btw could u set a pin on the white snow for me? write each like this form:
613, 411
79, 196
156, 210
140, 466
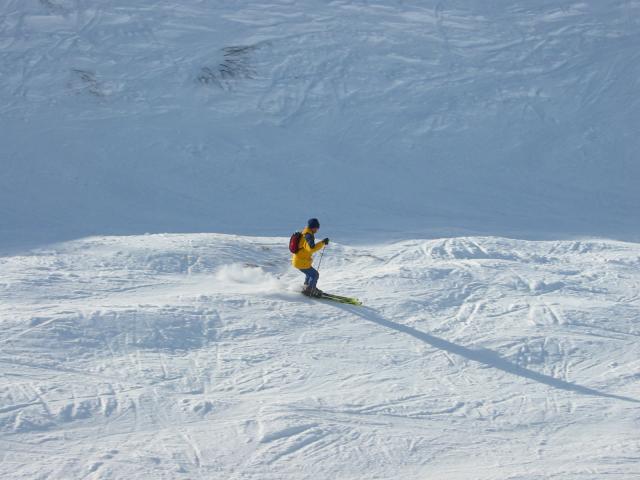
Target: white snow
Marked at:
402, 118
191, 356
474, 163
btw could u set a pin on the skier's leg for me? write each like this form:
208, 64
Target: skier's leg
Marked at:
308, 280
311, 280
307, 276
314, 276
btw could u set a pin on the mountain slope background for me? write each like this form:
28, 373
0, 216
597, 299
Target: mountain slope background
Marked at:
398, 118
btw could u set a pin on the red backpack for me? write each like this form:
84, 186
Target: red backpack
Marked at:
294, 242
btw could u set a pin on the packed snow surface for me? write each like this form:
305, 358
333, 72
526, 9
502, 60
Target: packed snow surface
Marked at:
474, 163
195, 356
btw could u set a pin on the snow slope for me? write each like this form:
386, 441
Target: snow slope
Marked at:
434, 118
192, 356
422, 134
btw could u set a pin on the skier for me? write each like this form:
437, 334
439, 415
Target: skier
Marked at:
302, 260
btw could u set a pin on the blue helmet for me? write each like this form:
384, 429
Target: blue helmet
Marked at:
313, 223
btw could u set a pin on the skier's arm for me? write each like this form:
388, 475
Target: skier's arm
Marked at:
311, 244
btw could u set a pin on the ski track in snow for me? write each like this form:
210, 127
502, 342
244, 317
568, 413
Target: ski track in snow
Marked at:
193, 356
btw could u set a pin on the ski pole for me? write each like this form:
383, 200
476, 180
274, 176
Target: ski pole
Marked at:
319, 263
321, 255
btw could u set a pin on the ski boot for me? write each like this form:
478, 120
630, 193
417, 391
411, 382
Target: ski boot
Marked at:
312, 292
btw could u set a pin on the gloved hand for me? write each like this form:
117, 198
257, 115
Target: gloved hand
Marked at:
326, 241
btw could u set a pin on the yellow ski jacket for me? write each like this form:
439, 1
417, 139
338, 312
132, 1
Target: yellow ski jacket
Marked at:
307, 247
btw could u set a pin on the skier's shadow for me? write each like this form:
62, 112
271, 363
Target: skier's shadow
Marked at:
484, 356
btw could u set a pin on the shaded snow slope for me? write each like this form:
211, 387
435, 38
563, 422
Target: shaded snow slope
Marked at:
516, 118
192, 356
